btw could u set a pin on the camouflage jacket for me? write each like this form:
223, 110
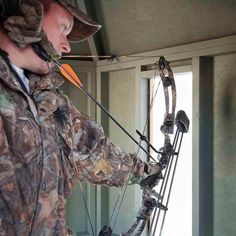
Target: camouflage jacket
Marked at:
45, 142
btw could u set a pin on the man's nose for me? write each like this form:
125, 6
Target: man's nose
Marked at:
65, 46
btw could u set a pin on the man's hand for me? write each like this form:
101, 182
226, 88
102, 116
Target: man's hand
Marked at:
152, 168
152, 176
143, 170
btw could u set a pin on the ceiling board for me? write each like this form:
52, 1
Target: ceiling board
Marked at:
133, 26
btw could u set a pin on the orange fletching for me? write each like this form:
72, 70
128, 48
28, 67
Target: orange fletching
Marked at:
70, 75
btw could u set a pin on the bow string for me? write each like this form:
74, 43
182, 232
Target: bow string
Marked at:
154, 203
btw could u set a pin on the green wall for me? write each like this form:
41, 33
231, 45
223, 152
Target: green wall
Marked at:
225, 145
122, 104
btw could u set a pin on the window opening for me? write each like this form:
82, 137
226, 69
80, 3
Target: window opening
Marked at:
178, 220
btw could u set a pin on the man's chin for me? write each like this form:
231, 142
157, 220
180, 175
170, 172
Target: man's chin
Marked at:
45, 69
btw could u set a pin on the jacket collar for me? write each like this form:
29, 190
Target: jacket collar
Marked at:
42, 89
36, 82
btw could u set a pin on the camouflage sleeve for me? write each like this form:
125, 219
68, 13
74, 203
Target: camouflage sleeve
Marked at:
6, 167
98, 160
6, 173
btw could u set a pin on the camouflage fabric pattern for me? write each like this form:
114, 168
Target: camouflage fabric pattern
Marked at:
45, 144
27, 27
84, 27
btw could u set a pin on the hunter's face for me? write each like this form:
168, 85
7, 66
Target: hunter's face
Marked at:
57, 25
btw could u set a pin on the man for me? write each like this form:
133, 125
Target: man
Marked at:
45, 142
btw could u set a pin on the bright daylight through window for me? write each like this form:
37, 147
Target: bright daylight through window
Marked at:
178, 220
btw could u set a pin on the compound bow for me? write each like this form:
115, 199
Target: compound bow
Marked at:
153, 202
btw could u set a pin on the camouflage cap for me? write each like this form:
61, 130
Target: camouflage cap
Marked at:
84, 27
